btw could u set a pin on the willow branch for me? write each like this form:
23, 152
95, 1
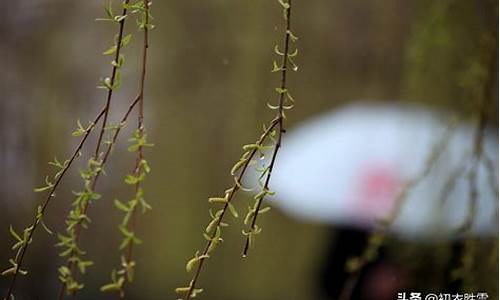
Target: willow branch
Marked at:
279, 116
233, 190
99, 172
482, 94
356, 264
112, 80
50, 195
109, 96
276, 124
140, 128
493, 181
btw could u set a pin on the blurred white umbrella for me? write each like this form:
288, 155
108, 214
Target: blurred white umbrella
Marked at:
348, 166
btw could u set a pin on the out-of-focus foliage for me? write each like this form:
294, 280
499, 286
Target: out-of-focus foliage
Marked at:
444, 53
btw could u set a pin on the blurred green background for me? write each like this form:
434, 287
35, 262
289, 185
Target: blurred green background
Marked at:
208, 82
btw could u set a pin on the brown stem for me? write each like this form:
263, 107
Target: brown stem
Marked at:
112, 80
140, 128
482, 113
95, 179
234, 189
477, 153
349, 285
374, 246
105, 120
493, 182
279, 117
277, 121
50, 195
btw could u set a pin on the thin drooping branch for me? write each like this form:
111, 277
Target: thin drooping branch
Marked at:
472, 173
356, 264
280, 114
110, 85
493, 181
115, 137
482, 96
114, 71
436, 152
230, 195
99, 172
51, 194
452, 180
140, 119
213, 231
139, 163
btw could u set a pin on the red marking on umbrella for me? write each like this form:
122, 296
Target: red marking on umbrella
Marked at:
377, 191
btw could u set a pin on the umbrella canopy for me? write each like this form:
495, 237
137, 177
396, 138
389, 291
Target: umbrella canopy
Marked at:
348, 167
